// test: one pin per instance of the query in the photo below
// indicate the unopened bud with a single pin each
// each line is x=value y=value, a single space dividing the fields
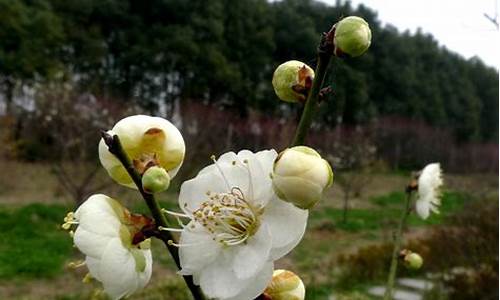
x=155 y=180
x=413 y=261
x=285 y=285
x=300 y=176
x=292 y=81
x=352 y=37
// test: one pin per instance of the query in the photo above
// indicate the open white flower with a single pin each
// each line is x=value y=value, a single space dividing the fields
x=238 y=226
x=429 y=183
x=148 y=141
x=105 y=235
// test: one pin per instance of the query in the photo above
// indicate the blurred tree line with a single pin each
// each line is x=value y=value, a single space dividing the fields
x=157 y=53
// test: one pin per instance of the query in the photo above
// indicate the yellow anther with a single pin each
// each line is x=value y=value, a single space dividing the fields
x=76 y=264
x=87 y=278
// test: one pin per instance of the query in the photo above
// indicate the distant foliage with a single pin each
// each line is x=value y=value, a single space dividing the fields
x=224 y=52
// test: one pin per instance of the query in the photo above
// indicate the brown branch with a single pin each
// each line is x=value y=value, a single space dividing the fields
x=115 y=147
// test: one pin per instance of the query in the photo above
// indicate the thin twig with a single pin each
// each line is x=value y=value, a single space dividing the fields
x=325 y=53
x=397 y=245
x=115 y=147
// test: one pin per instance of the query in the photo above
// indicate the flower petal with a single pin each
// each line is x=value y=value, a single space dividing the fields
x=194 y=191
x=257 y=285
x=219 y=281
x=287 y=225
x=94 y=266
x=90 y=243
x=252 y=256
x=261 y=185
x=198 y=248
x=266 y=159
x=118 y=260
x=100 y=214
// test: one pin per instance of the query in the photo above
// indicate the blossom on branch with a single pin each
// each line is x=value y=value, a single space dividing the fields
x=237 y=227
x=429 y=194
x=148 y=141
x=106 y=235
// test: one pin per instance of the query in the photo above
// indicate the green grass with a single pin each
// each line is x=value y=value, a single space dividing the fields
x=388 y=213
x=31 y=241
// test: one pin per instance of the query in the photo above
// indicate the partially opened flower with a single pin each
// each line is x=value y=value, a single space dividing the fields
x=237 y=227
x=106 y=235
x=429 y=184
x=148 y=141
x=285 y=285
x=292 y=81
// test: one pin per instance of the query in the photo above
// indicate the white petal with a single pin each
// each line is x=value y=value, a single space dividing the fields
x=261 y=189
x=90 y=243
x=145 y=276
x=194 y=192
x=100 y=214
x=198 y=250
x=94 y=266
x=257 y=284
x=266 y=159
x=287 y=225
x=217 y=280
x=118 y=271
x=251 y=256
x=422 y=207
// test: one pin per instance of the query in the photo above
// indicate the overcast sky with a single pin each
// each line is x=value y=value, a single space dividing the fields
x=457 y=24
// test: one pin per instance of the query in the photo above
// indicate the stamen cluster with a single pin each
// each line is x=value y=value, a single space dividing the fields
x=228 y=216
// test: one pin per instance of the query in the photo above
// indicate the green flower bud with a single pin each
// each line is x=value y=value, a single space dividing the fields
x=413 y=261
x=285 y=285
x=300 y=176
x=292 y=80
x=155 y=180
x=352 y=37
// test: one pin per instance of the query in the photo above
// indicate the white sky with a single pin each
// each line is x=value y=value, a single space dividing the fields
x=457 y=24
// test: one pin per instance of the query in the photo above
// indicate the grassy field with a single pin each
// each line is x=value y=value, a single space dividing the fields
x=34 y=250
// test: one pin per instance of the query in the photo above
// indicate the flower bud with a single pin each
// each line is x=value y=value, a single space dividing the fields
x=413 y=261
x=155 y=180
x=352 y=37
x=148 y=141
x=285 y=285
x=292 y=80
x=300 y=176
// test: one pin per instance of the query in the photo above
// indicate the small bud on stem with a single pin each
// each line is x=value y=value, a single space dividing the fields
x=352 y=37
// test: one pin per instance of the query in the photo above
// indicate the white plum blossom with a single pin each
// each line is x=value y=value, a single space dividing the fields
x=105 y=235
x=238 y=226
x=429 y=183
x=148 y=141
